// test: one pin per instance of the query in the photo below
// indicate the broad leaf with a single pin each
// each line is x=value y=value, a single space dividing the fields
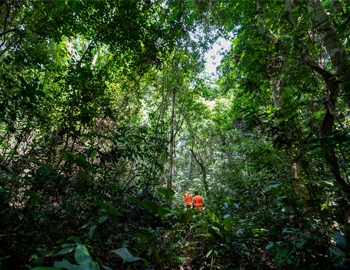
x=228 y=224
x=337 y=252
x=102 y=219
x=46 y=268
x=92 y=231
x=339 y=239
x=167 y=192
x=66 y=250
x=187 y=216
x=269 y=245
x=82 y=256
x=213 y=217
x=66 y=265
x=125 y=255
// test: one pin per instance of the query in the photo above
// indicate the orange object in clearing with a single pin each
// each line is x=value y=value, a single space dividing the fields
x=198 y=202
x=188 y=199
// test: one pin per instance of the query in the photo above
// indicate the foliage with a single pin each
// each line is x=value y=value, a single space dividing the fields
x=85 y=113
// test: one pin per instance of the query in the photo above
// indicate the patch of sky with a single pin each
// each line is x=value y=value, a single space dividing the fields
x=214 y=56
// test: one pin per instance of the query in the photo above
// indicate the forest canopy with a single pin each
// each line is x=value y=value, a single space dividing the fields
x=108 y=117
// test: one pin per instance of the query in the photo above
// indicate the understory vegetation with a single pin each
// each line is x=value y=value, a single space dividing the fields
x=108 y=116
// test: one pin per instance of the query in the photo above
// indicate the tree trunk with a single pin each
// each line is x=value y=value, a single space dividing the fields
x=330 y=40
x=276 y=91
x=171 y=141
x=339 y=59
x=203 y=170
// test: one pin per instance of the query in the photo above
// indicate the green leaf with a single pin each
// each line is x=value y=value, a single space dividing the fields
x=115 y=212
x=66 y=250
x=337 y=252
x=125 y=255
x=301 y=243
x=213 y=217
x=187 y=216
x=321 y=153
x=66 y=265
x=126 y=228
x=46 y=268
x=103 y=205
x=343 y=165
x=209 y=252
x=138 y=201
x=339 y=239
x=102 y=219
x=156 y=253
x=93 y=154
x=269 y=245
x=82 y=256
x=152 y=206
x=92 y=231
x=167 y=192
x=273 y=185
x=162 y=211
x=227 y=223
x=133 y=259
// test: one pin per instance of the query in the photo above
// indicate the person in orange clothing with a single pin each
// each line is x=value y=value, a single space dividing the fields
x=197 y=201
x=188 y=199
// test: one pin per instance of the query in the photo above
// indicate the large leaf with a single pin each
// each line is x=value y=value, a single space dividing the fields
x=187 y=216
x=213 y=217
x=92 y=231
x=152 y=206
x=66 y=250
x=167 y=192
x=138 y=201
x=102 y=219
x=115 y=212
x=337 y=252
x=162 y=210
x=83 y=257
x=339 y=239
x=125 y=255
x=46 y=268
x=109 y=209
x=227 y=223
x=67 y=265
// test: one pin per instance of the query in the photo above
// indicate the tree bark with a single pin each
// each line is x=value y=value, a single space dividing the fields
x=330 y=40
x=203 y=170
x=276 y=91
x=171 y=140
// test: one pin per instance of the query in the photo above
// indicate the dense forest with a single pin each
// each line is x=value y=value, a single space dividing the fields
x=108 y=116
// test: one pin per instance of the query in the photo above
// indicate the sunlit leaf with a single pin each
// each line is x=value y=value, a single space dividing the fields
x=93 y=154
x=208 y=253
x=227 y=223
x=213 y=217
